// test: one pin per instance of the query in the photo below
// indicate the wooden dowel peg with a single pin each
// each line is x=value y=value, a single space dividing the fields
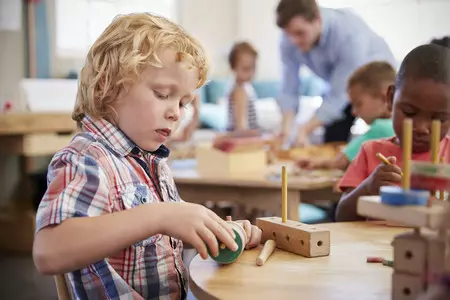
x=441 y=192
x=283 y=194
x=266 y=251
x=407 y=152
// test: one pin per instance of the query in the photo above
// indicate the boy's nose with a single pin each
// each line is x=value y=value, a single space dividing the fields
x=422 y=126
x=173 y=113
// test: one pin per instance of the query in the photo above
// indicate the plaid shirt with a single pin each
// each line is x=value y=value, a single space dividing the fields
x=101 y=172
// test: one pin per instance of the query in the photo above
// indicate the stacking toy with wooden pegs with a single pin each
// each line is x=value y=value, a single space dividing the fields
x=421 y=257
x=435 y=175
x=404 y=195
x=291 y=236
x=227 y=256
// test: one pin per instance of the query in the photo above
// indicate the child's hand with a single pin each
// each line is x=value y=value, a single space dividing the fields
x=253 y=233
x=383 y=175
x=196 y=225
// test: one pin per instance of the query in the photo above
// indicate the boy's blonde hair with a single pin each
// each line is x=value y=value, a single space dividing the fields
x=373 y=77
x=126 y=47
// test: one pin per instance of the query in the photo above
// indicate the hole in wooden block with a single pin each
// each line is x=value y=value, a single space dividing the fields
x=408 y=255
x=287 y=238
x=319 y=243
x=274 y=235
x=302 y=242
x=406 y=291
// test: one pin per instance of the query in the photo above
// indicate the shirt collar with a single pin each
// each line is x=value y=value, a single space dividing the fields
x=116 y=139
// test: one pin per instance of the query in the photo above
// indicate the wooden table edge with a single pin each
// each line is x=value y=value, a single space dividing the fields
x=198 y=292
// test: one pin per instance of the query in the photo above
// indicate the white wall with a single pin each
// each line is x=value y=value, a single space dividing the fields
x=213 y=22
x=403 y=23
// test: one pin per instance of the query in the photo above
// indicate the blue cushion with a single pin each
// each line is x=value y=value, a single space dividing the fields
x=216 y=89
x=201 y=92
x=266 y=88
x=310 y=214
x=213 y=116
x=313 y=85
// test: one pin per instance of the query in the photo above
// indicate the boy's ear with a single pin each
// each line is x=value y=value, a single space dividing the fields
x=390 y=96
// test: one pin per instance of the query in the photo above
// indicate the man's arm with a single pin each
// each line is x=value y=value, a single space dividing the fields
x=351 y=55
x=288 y=99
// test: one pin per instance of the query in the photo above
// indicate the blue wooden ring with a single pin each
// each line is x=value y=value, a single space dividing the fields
x=393 y=195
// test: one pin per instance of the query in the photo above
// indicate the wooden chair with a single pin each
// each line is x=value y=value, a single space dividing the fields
x=62 y=288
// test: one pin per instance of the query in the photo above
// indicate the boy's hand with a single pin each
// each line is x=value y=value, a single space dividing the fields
x=383 y=175
x=253 y=233
x=198 y=226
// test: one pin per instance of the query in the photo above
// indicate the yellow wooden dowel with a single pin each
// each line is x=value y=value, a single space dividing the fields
x=283 y=194
x=407 y=150
x=441 y=193
x=434 y=144
x=435 y=139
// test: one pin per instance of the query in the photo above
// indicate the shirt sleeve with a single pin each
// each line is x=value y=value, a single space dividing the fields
x=355 y=145
x=356 y=172
x=288 y=99
x=376 y=131
x=77 y=187
x=351 y=54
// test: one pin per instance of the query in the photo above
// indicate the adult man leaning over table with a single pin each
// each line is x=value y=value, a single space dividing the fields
x=333 y=43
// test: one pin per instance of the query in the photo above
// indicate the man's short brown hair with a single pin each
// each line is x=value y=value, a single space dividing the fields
x=373 y=77
x=239 y=48
x=288 y=9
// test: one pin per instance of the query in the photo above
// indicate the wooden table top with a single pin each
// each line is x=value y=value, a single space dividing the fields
x=188 y=174
x=342 y=275
x=30 y=123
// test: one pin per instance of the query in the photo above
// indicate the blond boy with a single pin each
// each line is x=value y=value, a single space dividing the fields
x=111 y=217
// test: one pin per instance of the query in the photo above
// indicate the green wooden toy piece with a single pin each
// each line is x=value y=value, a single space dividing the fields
x=226 y=256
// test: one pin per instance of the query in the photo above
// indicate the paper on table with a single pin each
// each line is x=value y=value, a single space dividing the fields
x=49 y=95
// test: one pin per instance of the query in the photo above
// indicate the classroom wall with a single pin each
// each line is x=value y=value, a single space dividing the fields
x=12 y=69
x=216 y=29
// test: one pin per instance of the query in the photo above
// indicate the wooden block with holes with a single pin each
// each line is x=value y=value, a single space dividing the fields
x=410 y=253
x=299 y=238
x=436 y=254
x=406 y=286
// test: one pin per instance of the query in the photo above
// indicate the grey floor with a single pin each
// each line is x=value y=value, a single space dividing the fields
x=19 y=280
